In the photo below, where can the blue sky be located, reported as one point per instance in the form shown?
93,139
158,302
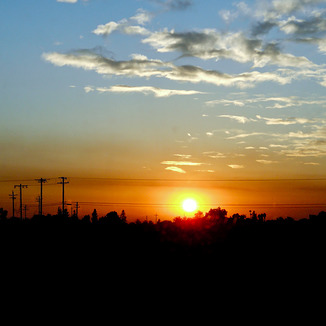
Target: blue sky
163,88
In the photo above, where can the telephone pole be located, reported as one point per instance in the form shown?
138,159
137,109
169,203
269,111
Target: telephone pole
40,210
77,206
20,186
63,182
13,197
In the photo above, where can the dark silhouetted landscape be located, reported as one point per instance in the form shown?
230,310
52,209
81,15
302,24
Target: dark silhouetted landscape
209,238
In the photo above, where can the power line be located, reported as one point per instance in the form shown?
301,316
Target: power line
202,180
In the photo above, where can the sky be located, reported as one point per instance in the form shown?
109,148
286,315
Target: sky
142,103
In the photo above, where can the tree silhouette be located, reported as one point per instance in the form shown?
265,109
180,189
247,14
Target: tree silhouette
94,217
216,215
123,216
3,214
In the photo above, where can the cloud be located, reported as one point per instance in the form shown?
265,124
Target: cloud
290,6
235,166
237,118
277,146
184,156
246,135
68,1
281,102
126,26
88,89
158,92
175,169
311,25
278,8
226,102
122,26
181,163
174,4
285,122
144,67
305,152
211,44
214,155
88,60
142,17
266,162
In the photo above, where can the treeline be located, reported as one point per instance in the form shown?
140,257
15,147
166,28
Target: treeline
201,235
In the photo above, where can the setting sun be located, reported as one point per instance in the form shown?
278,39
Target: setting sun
189,205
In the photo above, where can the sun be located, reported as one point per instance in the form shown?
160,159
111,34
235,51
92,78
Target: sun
189,205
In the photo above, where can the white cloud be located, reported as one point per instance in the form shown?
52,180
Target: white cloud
122,27
125,26
88,89
235,166
181,163
280,102
266,162
88,60
158,92
237,118
246,135
277,146
142,17
68,1
285,122
215,155
175,169
226,102
184,156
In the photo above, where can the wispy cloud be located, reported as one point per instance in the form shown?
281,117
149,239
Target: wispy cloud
266,162
67,1
183,156
240,119
158,92
280,102
144,67
245,135
175,169
181,163
285,122
236,166
214,155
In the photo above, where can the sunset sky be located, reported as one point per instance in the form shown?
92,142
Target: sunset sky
144,103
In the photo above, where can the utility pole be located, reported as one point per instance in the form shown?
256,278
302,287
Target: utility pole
63,182
25,209
40,210
77,206
13,197
20,186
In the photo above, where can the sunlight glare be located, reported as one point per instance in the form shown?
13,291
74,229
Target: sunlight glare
189,205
